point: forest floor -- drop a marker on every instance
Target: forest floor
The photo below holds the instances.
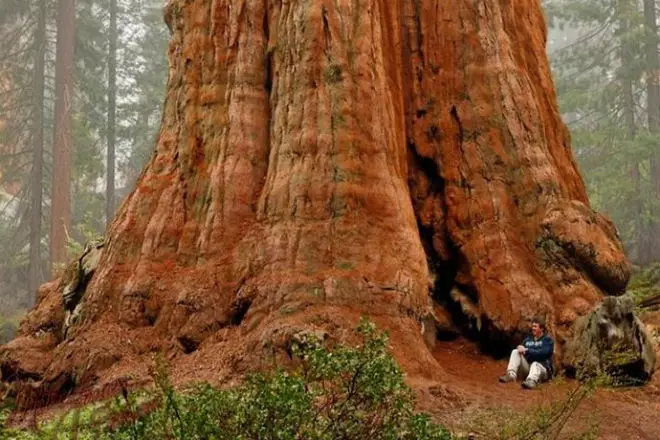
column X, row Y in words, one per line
column 612, row 413
column 470, row 399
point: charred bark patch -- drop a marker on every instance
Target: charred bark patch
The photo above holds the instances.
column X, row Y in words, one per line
column 269, row 74
column 433, row 133
column 495, row 341
column 239, row 311
column 32, row 395
column 457, row 120
column 326, row 31
column 269, row 54
column 443, row 268
column 189, row 345
column 12, row 373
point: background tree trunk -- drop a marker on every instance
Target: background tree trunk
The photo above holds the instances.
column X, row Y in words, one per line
column 318, row 161
column 653, row 111
column 34, row 270
column 626, row 10
column 62, row 140
column 112, row 109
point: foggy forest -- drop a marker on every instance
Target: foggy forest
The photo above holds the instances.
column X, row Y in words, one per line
column 107, row 83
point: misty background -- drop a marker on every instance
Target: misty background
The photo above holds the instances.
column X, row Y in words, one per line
column 100, row 66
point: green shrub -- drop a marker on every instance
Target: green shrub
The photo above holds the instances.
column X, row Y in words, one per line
column 340, row 393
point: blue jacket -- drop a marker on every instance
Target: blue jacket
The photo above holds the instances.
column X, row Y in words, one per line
column 540, row 351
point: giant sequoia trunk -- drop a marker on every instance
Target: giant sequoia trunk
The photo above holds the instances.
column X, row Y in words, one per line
column 322, row 160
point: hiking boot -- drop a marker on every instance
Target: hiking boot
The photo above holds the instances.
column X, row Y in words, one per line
column 529, row 384
column 507, row 378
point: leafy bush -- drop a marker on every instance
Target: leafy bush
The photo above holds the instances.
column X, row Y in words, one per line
column 343, row 393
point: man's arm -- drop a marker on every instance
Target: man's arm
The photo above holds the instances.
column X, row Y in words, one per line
column 522, row 348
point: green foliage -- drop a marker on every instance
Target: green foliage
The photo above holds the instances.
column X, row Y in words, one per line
column 345, row 392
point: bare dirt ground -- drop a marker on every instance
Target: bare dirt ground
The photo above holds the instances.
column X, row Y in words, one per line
column 623, row 413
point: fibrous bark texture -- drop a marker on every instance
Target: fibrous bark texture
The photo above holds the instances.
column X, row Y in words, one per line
column 321, row 160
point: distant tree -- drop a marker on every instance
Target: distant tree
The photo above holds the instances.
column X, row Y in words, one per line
column 91, row 120
column 627, row 74
column 112, row 110
column 34, row 273
column 25, row 112
column 63, row 141
column 652, row 78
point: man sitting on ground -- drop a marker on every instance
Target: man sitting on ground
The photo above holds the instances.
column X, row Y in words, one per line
column 533, row 358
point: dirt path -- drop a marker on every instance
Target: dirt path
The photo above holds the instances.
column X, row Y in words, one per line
column 630, row 413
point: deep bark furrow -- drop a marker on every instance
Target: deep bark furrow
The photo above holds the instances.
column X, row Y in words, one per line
column 506, row 172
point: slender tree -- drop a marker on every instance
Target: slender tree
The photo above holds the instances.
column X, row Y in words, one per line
column 625, row 12
column 112, row 110
column 62, row 139
column 653, row 111
column 34, row 271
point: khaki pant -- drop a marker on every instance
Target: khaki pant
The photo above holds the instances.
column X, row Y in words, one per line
column 519, row 367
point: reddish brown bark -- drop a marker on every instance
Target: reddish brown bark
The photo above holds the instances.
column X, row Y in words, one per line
column 324, row 160
column 62, row 141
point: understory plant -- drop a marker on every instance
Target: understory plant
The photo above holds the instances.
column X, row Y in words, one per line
column 343, row 392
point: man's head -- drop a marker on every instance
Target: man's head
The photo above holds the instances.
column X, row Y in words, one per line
column 538, row 327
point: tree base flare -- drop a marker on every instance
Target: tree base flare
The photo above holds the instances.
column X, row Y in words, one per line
column 319, row 161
